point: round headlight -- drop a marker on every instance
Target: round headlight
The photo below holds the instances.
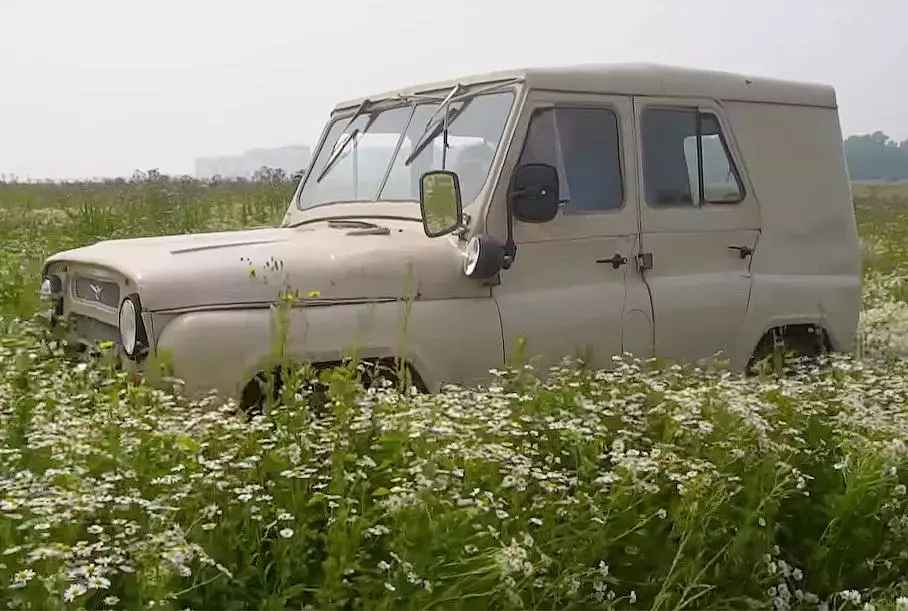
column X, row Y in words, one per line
column 473, row 248
column 129, row 326
column 483, row 258
column 47, row 288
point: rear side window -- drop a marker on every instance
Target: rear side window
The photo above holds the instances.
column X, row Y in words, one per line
column 582, row 143
column 686, row 161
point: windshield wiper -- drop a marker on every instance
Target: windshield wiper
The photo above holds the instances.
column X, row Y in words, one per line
column 443, row 105
column 423, row 141
column 432, row 131
column 338, row 152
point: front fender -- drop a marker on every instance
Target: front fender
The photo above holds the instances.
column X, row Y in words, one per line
column 445, row 341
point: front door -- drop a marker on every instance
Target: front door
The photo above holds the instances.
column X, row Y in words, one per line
column 700, row 221
column 567, row 292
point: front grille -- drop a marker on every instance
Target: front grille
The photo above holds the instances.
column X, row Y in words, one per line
column 97, row 291
column 85, row 336
column 92, row 331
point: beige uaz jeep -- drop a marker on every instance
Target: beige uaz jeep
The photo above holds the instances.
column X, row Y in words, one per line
column 589, row 210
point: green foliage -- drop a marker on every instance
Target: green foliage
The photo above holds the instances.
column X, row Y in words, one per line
column 37, row 220
column 638, row 487
column 877, row 158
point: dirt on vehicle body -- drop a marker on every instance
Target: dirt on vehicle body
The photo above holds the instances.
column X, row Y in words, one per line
column 590, row 210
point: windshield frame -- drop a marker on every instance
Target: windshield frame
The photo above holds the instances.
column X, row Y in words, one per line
column 437, row 95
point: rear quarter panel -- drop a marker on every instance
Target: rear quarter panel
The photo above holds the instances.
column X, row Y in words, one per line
column 807, row 265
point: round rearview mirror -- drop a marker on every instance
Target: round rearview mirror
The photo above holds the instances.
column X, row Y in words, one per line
column 440, row 202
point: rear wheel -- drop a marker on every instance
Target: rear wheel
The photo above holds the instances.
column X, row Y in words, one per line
column 783, row 347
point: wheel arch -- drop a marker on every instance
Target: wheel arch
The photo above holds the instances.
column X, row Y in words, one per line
column 255, row 391
column 804, row 338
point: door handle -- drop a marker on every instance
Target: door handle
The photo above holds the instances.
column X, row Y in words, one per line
column 744, row 251
column 616, row 261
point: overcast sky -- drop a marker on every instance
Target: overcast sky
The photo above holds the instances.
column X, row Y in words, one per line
column 103, row 87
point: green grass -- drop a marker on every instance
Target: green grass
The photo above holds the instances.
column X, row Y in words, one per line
column 639, row 487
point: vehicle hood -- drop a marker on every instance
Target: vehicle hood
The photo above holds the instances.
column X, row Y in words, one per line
column 330, row 262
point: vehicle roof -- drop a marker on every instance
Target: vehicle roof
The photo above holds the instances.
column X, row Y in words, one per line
column 643, row 79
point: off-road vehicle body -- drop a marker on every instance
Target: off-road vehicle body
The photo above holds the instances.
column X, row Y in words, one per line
column 589, row 210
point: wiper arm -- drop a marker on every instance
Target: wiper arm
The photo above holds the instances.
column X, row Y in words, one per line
column 423, row 141
column 439, row 126
column 443, row 105
column 427, row 136
column 338, row 152
column 451, row 114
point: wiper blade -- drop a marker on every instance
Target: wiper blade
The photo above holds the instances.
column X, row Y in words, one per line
column 432, row 131
column 436, row 129
column 443, row 105
column 426, row 137
column 338, row 152
column 433, row 128
column 336, row 156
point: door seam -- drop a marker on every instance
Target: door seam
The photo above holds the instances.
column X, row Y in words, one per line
column 641, row 244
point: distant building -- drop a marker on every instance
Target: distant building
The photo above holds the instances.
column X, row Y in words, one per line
column 288, row 158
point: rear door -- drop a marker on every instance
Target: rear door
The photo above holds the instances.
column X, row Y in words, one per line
column 698, row 246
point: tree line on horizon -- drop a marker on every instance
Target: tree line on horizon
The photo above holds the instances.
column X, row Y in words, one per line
column 876, row 157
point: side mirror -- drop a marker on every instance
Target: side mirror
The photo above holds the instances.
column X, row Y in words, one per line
column 534, row 192
column 440, row 202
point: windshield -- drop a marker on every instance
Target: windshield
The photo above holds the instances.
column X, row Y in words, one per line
column 374, row 148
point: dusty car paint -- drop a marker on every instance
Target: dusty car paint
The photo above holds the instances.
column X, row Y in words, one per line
column 695, row 281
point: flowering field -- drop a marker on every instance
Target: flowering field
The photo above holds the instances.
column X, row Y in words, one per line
column 637, row 487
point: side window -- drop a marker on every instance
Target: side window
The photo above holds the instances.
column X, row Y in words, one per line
column 582, row 143
column 684, row 152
